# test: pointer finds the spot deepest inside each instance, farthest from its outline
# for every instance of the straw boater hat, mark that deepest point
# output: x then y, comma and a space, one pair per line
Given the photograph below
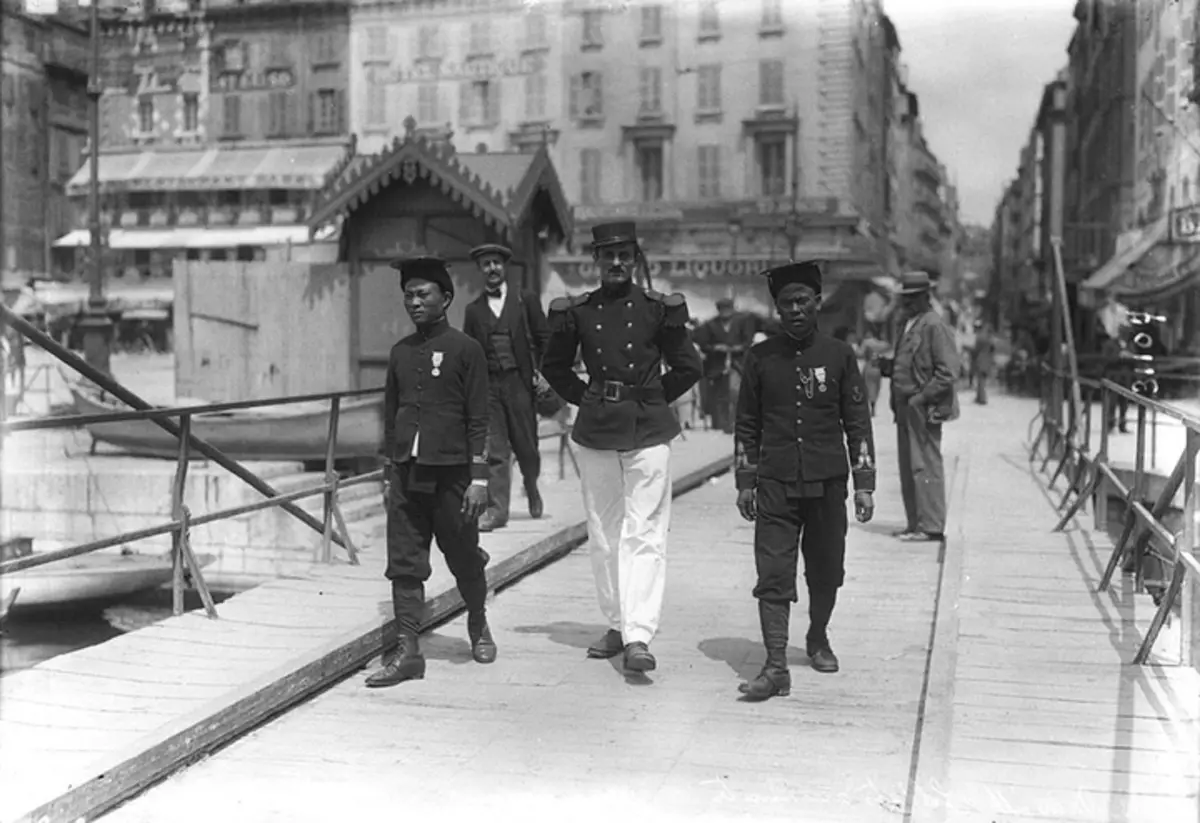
491, 248
915, 282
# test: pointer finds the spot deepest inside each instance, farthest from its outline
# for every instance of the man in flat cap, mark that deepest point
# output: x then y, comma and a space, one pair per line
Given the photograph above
624, 429
723, 342
801, 409
924, 375
435, 418
511, 327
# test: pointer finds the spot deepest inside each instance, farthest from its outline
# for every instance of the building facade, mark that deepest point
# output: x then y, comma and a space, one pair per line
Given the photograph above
219, 122
44, 122
736, 133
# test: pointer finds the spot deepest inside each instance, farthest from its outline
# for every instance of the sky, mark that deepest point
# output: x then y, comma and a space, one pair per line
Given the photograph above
978, 68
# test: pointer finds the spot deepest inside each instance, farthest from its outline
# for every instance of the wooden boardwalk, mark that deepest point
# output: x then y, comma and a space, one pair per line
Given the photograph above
87, 725
1023, 709
558, 736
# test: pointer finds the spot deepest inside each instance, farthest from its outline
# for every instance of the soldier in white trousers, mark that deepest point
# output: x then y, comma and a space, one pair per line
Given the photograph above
624, 429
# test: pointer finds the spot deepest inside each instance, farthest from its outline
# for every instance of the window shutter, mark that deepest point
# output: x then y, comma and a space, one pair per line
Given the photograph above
464, 101
312, 112
266, 114
341, 111
494, 88
599, 86
573, 102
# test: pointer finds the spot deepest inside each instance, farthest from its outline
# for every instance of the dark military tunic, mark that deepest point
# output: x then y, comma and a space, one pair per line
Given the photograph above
436, 404
625, 340
802, 407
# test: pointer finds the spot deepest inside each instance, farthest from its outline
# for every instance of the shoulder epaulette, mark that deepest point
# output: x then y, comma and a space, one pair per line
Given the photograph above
673, 300
565, 303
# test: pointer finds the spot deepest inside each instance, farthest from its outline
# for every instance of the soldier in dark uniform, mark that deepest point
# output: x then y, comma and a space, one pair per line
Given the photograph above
723, 341
435, 417
802, 405
510, 326
624, 430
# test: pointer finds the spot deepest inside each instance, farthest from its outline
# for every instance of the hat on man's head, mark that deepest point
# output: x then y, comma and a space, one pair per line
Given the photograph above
610, 234
426, 267
807, 273
915, 282
491, 248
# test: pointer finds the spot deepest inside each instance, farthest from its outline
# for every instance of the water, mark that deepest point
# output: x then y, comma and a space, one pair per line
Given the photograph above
28, 641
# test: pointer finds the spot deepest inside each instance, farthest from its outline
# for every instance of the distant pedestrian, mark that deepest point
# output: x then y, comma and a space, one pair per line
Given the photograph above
983, 361
924, 375
802, 407
435, 417
723, 344
511, 327
624, 431
872, 349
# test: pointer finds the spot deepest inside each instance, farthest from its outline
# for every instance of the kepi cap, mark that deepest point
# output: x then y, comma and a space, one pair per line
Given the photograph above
425, 267
806, 273
610, 234
491, 248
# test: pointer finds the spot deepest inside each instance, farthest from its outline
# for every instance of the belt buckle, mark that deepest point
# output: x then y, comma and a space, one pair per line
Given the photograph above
612, 390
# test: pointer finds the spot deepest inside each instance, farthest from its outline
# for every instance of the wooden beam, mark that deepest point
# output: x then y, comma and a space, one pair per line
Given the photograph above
160, 753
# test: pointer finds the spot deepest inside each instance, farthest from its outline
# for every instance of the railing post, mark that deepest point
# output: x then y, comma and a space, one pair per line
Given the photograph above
1136, 495
178, 490
1186, 544
1100, 506
335, 409
1153, 438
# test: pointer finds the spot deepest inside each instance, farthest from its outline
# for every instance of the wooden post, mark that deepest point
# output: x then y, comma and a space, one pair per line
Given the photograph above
1100, 507
1187, 545
1135, 496
178, 537
335, 408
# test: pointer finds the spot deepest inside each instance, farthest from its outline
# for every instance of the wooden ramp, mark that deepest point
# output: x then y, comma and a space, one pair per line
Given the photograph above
86, 729
545, 734
1034, 712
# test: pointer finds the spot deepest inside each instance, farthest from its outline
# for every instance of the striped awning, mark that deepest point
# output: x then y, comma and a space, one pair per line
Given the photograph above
226, 237
246, 168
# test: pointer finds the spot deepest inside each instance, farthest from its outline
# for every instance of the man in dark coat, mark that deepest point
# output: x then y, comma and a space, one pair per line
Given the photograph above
435, 416
624, 431
510, 326
723, 342
924, 396
802, 405
983, 361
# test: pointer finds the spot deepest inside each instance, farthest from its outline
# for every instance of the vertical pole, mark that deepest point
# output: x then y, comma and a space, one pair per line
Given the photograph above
1100, 506
1153, 438
335, 408
96, 325
177, 494
1187, 545
1135, 496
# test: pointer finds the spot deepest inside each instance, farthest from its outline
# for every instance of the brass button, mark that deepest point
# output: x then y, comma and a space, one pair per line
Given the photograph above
598, 327
629, 345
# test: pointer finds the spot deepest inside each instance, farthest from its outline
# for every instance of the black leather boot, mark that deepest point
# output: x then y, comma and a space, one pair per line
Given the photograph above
774, 679
816, 642
536, 507
407, 662
483, 648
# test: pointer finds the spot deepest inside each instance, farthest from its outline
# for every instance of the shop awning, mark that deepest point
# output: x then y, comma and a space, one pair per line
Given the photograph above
298, 166
192, 238
1120, 262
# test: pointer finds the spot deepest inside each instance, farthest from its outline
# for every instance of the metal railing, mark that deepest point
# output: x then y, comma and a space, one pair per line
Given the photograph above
1091, 475
185, 563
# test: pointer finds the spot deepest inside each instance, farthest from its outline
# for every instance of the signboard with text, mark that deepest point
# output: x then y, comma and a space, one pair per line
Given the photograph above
432, 71
576, 270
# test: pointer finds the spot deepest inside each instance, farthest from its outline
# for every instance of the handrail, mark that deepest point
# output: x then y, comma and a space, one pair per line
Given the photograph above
22, 424
1140, 524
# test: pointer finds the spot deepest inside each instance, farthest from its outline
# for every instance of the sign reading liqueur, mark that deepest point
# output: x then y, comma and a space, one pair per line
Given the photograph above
428, 71
1185, 225
584, 270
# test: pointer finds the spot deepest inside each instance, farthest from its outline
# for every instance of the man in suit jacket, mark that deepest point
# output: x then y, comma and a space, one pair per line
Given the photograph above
924, 397
510, 325
723, 341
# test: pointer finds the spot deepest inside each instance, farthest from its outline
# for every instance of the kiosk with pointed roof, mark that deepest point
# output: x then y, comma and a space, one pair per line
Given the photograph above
421, 197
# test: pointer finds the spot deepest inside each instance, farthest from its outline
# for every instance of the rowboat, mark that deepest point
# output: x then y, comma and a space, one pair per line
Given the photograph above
90, 581
295, 432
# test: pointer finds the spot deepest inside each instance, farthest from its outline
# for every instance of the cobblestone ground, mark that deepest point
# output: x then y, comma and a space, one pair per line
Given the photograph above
545, 734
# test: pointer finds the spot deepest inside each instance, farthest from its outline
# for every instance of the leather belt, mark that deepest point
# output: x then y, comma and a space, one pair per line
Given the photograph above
614, 391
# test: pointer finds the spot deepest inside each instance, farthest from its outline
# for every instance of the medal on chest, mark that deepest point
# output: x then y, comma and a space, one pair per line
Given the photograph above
819, 373
437, 363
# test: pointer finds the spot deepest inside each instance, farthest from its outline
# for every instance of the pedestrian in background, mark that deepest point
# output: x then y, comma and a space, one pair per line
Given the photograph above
983, 361
924, 374
435, 419
624, 430
511, 327
802, 408
722, 344
873, 347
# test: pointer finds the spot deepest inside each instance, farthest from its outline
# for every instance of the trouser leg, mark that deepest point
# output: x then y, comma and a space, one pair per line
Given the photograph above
499, 453
604, 502
523, 429
928, 476
908, 491
458, 539
642, 558
824, 548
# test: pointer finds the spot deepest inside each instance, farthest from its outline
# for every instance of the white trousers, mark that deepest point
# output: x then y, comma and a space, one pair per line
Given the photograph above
627, 495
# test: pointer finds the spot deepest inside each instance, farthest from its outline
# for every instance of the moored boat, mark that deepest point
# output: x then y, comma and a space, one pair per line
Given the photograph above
90, 581
293, 432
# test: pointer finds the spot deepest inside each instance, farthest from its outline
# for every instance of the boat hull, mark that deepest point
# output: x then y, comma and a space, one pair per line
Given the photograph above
86, 582
283, 434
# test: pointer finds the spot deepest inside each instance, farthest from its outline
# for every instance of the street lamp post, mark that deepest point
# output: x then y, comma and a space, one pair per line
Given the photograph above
96, 325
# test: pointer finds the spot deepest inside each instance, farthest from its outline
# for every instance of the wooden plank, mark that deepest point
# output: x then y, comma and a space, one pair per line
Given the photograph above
124, 773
